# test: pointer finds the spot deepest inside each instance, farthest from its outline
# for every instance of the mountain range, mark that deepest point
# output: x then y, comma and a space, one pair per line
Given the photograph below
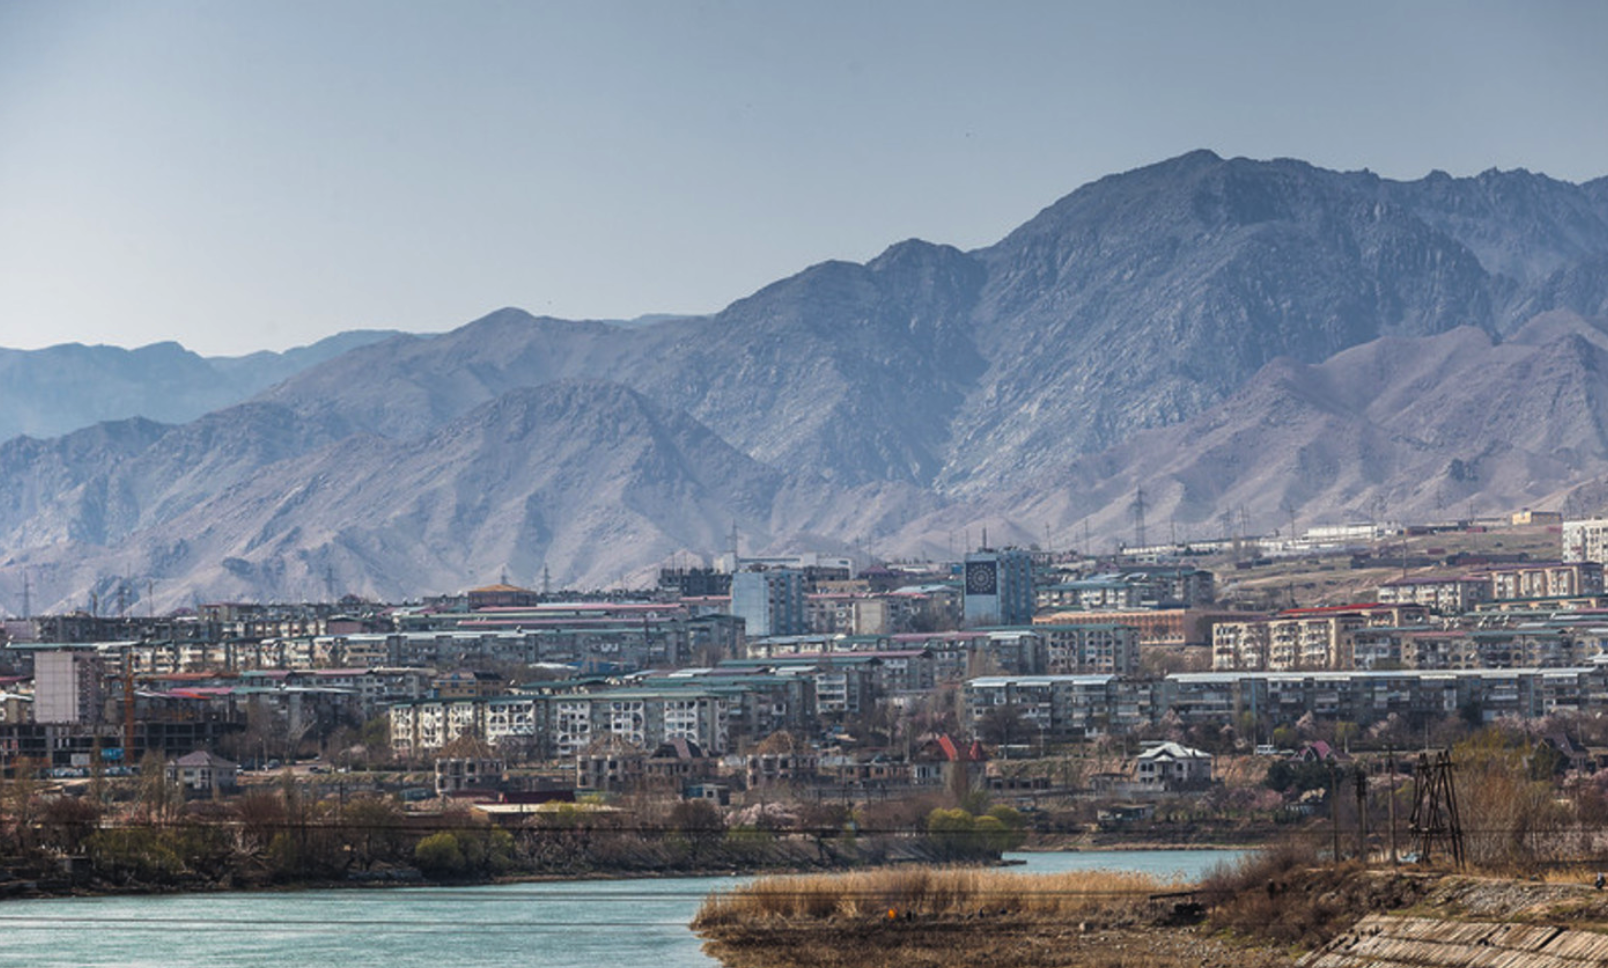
1251, 342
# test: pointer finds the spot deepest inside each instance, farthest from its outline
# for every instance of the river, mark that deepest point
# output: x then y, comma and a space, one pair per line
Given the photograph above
560, 924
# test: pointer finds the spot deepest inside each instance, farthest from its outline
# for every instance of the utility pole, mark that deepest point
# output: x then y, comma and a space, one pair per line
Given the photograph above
1390, 761
27, 596
1334, 812
128, 706
1362, 813
1138, 508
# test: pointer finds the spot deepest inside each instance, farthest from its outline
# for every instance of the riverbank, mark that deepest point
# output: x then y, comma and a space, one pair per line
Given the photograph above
1266, 915
947, 918
529, 856
997, 943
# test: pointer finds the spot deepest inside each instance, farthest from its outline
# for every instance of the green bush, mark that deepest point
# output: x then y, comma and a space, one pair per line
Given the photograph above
440, 854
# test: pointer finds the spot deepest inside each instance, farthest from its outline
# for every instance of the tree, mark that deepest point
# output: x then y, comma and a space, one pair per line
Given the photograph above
372, 829
261, 814
69, 820
159, 796
376, 737
22, 798
958, 833
1297, 777
779, 743
1510, 815
1003, 725
1006, 828
700, 822
439, 854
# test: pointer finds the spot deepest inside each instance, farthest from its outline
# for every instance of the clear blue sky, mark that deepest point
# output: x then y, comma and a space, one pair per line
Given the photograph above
240, 175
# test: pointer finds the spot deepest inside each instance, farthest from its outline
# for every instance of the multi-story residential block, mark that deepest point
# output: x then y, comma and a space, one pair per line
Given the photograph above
962, 655
1586, 539
1540, 580
424, 726
861, 613
1418, 697
1058, 708
1101, 648
1095, 593
758, 702
517, 724
1163, 627
1441, 594
1147, 586
566, 724
1303, 638
694, 582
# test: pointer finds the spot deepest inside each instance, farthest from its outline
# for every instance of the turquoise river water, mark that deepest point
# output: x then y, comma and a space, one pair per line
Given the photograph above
559, 924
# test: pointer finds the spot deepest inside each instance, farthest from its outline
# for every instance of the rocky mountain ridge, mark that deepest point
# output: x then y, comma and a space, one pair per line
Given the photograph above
60, 389
1264, 337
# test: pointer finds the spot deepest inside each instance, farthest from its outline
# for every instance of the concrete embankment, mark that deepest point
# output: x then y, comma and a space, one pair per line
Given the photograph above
1383, 941
1480, 922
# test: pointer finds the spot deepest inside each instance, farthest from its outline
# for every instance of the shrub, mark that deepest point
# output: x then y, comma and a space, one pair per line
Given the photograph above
937, 892
440, 854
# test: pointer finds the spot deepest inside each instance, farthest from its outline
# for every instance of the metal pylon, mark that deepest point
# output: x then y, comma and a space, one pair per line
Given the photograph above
1435, 825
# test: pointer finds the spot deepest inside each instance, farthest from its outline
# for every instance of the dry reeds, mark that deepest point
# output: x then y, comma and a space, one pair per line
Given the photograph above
926, 892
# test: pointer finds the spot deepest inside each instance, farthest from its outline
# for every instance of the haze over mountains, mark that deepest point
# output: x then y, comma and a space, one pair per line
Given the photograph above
61, 388
1260, 340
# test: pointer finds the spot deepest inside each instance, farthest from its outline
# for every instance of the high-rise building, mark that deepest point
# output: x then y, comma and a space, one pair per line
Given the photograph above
998, 588
67, 685
770, 602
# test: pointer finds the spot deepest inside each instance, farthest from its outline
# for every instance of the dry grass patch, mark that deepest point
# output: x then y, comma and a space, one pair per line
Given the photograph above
925, 892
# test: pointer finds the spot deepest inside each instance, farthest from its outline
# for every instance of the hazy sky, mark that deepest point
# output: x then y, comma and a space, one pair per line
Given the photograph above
239, 175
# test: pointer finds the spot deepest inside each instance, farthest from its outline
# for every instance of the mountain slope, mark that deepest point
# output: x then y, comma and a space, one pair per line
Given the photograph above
1144, 298
1243, 339
63, 388
587, 479
1402, 428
